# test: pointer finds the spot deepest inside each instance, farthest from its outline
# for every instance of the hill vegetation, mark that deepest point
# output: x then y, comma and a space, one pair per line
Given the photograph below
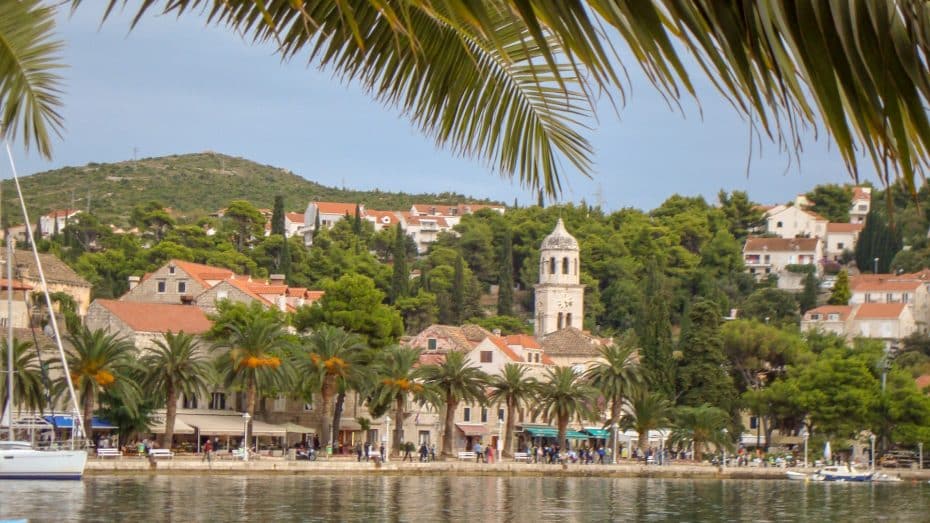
193, 185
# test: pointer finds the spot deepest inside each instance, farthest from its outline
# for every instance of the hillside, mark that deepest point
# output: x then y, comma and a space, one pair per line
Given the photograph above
191, 184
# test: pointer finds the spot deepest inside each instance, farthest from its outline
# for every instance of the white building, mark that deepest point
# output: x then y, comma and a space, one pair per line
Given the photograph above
559, 293
792, 221
841, 237
56, 220
861, 203
765, 256
888, 322
329, 213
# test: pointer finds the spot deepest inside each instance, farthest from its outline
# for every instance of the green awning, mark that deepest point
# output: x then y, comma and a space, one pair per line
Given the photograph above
597, 433
541, 432
574, 434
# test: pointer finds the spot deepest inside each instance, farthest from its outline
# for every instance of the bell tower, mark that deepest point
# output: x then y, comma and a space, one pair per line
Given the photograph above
559, 293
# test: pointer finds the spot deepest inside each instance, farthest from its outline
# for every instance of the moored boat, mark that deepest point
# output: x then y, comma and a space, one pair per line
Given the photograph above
843, 473
797, 476
19, 460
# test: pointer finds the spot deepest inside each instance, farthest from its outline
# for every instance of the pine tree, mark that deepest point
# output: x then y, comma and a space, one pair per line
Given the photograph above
401, 277
458, 290
703, 376
841, 293
655, 332
277, 216
807, 300
505, 277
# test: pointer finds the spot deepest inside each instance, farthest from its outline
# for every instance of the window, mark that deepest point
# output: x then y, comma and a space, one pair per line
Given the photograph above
889, 298
778, 225
431, 344
753, 422
182, 287
190, 402
833, 316
576, 266
218, 401
487, 356
537, 357
767, 258
868, 298
484, 415
863, 207
568, 319
815, 317
560, 321
280, 403
162, 285
840, 245
171, 269
552, 265
905, 298
565, 265
500, 414
466, 414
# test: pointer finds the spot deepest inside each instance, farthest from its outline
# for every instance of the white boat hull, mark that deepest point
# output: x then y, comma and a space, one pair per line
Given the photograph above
42, 464
797, 476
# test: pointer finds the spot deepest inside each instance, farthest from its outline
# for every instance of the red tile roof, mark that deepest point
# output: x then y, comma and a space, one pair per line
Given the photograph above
842, 310
382, 217
781, 244
844, 227
862, 193
523, 340
876, 311
923, 381
296, 217
158, 317
337, 208
860, 284
502, 345
201, 272
17, 285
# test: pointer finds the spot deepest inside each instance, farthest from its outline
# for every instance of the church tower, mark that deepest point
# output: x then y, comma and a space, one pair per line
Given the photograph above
559, 295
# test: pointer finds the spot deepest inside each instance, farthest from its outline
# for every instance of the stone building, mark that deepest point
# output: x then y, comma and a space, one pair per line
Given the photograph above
559, 293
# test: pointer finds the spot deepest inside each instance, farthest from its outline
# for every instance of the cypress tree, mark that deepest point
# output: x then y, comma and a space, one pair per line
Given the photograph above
505, 277
357, 224
807, 300
702, 376
654, 329
285, 265
401, 277
841, 293
458, 290
277, 216
877, 240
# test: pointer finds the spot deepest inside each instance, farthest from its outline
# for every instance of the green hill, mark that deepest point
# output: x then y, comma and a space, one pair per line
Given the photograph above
191, 184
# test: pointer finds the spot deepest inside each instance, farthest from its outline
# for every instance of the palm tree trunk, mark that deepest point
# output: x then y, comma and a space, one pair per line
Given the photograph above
615, 406
698, 450
643, 440
88, 408
398, 423
563, 431
326, 399
508, 439
451, 406
250, 408
337, 416
171, 410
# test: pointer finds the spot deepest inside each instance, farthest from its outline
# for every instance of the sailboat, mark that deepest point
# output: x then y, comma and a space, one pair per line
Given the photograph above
20, 459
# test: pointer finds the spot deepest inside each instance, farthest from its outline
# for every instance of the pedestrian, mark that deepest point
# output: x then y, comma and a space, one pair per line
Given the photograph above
432, 452
207, 452
489, 453
358, 452
367, 451
600, 454
478, 452
381, 450
424, 452
408, 449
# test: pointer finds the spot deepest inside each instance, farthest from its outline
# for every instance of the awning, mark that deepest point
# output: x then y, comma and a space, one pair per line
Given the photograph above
348, 424
65, 422
574, 434
472, 430
157, 425
597, 433
541, 432
293, 428
229, 425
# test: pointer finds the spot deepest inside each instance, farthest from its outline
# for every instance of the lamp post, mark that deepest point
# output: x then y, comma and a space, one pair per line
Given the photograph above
805, 449
500, 437
614, 450
872, 452
386, 439
920, 455
725, 432
245, 436
875, 266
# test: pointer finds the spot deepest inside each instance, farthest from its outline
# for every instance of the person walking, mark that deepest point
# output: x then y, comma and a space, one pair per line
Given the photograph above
358, 452
478, 452
408, 449
424, 452
489, 454
207, 452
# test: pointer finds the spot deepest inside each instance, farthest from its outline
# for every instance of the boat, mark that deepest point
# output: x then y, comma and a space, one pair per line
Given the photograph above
797, 476
843, 473
883, 477
21, 459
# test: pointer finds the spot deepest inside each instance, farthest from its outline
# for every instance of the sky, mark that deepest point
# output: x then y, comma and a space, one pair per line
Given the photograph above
174, 86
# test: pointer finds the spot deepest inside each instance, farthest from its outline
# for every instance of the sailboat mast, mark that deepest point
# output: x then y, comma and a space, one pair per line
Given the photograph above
9, 332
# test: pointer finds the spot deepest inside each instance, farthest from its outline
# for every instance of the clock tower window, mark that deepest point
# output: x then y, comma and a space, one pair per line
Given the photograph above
568, 319
565, 265
552, 269
559, 324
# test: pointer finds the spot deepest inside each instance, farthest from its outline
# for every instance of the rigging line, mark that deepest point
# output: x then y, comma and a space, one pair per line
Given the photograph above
48, 300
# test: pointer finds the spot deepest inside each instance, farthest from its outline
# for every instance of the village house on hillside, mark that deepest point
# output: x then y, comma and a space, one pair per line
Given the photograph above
146, 323
58, 275
56, 221
767, 256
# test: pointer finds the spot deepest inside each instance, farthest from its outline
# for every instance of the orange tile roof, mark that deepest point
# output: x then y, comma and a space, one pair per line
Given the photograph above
296, 217
314, 295
781, 244
859, 284
842, 310
923, 381
523, 340
845, 227
296, 292
875, 311
337, 208
62, 212
862, 193
158, 317
201, 272
267, 288
382, 217
17, 285
502, 345
246, 286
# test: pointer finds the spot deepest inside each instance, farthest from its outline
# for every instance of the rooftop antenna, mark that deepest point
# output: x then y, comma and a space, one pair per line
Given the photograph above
599, 196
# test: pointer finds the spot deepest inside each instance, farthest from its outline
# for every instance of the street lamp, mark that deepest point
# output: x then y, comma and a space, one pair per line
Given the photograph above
725, 432
872, 452
386, 439
500, 437
245, 436
805, 449
613, 451
875, 266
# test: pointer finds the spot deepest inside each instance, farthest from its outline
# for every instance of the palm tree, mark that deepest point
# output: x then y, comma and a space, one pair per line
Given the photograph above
175, 366
29, 388
563, 396
100, 361
396, 370
513, 388
616, 377
330, 357
252, 342
517, 99
699, 425
648, 411
453, 381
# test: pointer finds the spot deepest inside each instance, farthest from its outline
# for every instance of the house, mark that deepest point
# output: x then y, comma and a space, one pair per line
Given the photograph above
783, 258
834, 319
382, 219
792, 221
56, 221
889, 322
571, 347
452, 213
18, 233
176, 282
841, 237
293, 224
910, 289
424, 229
58, 276
20, 313
145, 323
861, 204
328, 213
439, 339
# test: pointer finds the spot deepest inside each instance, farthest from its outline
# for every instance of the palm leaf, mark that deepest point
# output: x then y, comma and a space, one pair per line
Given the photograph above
29, 84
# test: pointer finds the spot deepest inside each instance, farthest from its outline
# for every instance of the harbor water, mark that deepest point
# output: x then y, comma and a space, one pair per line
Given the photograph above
420, 499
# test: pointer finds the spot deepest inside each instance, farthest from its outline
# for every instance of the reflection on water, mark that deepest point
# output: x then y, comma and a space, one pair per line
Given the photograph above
442, 498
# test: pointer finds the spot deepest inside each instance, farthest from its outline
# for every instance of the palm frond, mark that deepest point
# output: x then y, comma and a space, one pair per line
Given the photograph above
29, 84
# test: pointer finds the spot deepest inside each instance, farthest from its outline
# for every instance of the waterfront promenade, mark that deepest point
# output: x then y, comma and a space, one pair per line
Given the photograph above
336, 466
